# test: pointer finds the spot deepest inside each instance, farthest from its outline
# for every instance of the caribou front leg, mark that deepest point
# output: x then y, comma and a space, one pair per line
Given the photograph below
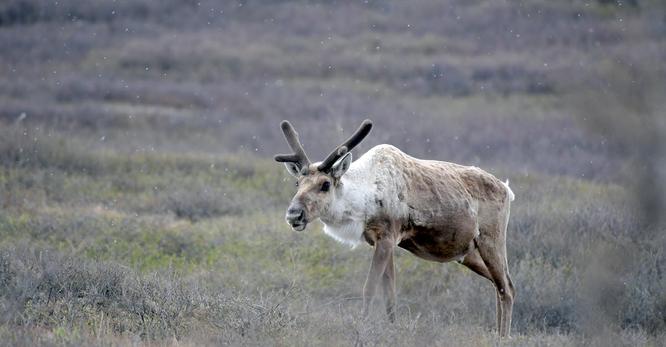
388, 282
383, 254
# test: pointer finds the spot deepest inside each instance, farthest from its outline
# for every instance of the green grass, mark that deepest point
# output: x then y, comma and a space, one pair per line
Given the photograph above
204, 234
87, 216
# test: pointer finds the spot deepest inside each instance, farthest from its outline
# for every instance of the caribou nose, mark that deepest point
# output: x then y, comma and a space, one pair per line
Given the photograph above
295, 214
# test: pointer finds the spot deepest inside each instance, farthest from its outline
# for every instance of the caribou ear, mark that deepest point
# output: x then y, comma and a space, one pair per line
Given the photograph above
341, 165
293, 168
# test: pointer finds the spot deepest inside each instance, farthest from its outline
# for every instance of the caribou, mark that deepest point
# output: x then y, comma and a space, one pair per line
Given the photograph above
438, 211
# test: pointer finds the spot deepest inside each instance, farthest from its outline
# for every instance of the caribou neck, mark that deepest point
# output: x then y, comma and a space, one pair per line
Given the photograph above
353, 198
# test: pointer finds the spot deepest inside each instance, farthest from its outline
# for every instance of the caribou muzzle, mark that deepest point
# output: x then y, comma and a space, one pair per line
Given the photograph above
296, 217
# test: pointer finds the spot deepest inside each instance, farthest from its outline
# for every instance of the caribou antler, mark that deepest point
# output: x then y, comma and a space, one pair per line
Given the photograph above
347, 146
299, 155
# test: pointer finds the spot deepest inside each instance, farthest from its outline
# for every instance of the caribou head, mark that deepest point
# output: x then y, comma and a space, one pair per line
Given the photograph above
317, 182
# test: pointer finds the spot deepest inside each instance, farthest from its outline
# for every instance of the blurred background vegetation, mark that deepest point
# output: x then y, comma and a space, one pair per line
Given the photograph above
139, 203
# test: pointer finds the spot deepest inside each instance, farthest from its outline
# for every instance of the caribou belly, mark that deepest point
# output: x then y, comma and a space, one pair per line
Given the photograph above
441, 244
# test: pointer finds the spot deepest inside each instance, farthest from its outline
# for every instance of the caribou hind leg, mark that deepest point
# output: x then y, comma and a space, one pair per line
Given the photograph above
493, 253
474, 262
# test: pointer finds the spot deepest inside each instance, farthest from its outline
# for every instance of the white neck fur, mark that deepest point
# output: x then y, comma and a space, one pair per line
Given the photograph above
353, 204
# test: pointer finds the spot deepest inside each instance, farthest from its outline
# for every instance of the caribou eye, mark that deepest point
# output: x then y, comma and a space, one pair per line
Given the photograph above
325, 186
296, 183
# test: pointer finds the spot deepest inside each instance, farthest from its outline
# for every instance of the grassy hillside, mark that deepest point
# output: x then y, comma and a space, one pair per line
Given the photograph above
139, 203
